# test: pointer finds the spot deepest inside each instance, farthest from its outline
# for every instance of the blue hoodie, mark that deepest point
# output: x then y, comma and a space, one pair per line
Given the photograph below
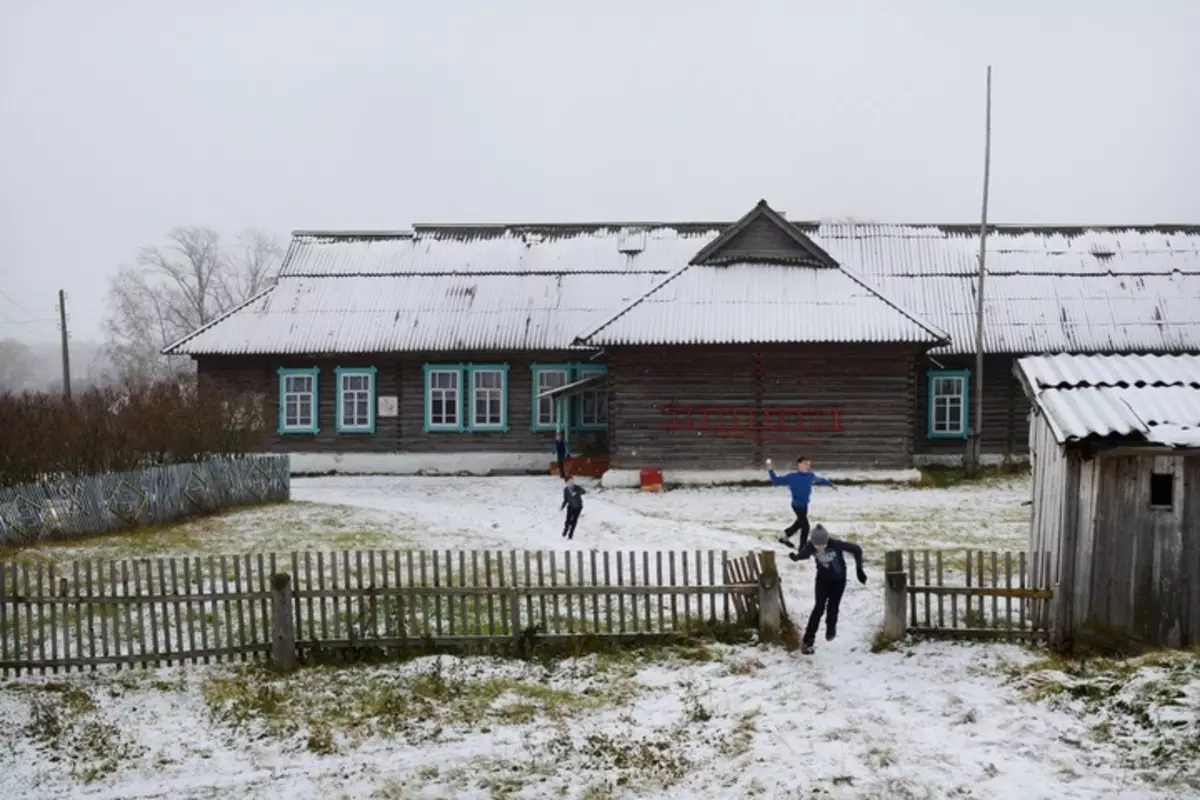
800, 483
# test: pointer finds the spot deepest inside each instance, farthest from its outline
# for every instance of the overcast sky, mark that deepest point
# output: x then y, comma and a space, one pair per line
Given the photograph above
119, 120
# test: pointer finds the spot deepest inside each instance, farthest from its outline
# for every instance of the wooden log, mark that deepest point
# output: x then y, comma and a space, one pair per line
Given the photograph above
283, 632
895, 619
769, 599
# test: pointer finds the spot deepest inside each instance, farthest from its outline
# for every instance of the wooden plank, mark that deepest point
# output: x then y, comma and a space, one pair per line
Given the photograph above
941, 616
694, 591
91, 626
321, 605
995, 585
526, 580
141, 617
252, 611
712, 580
967, 608
41, 614
556, 624
423, 569
979, 572
190, 609
541, 575
58, 591
928, 598
4, 595
620, 597
475, 598
725, 578
437, 599
1008, 585
674, 602
113, 582
487, 577
978, 633
648, 624
180, 622
977, 591
515, 609
684, 571
462, 581
134, 658
912, 580
1021, 584
502, 584
581, 580
595, 598
348, 615
658, 572
165, 610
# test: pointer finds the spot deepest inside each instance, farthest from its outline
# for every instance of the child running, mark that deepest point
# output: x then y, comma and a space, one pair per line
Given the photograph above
573, 503
800, 482
831, 581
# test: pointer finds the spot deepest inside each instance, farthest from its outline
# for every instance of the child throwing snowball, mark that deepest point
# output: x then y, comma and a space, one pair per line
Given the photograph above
800, 482
831, 581
573, 503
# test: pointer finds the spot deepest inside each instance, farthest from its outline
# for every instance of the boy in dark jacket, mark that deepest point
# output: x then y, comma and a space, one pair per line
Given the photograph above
800, 482
831, 580
573, 503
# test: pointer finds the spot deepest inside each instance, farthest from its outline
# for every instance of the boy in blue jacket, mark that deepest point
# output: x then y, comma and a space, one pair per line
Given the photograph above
831, 581
800, 482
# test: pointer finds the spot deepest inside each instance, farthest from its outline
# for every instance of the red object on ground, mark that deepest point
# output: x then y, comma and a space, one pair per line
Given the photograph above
651, 479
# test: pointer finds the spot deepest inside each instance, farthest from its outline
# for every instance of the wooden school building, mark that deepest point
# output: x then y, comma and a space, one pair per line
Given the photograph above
698, 346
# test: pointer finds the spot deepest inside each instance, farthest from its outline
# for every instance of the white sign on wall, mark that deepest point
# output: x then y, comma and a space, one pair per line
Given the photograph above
389, 406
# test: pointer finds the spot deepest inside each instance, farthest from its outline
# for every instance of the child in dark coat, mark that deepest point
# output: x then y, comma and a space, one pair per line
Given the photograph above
831, 580
560, 454
573, 503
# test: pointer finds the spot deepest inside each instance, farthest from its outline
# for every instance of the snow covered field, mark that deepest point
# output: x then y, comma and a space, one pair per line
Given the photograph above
926, 720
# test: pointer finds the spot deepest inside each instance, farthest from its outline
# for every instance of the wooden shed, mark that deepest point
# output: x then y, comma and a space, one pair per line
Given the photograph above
1115, 447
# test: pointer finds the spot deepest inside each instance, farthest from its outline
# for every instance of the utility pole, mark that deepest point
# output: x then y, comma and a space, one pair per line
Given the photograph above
975, 442
66, 352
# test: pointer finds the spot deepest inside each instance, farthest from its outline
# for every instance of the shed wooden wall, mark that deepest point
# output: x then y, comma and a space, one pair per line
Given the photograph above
873, 384
1135, 575
1005, 408
400, 375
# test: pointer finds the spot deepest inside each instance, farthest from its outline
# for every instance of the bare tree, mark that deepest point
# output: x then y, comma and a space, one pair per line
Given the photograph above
171, 291
18, 367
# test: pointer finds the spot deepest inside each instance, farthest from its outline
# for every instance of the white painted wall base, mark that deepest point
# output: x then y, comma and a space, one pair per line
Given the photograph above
952, 460
418, 463
631, 478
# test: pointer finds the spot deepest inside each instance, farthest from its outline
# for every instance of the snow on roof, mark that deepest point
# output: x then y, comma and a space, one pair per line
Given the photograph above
752, 303
371, 314
1150, 398
1049, 289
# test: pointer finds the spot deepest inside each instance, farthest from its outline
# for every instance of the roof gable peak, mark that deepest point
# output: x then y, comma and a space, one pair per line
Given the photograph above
763, 235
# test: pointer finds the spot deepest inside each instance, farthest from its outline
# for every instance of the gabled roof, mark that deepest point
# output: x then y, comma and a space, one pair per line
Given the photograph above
760, 303
1049, 289
1144, 399
790, 245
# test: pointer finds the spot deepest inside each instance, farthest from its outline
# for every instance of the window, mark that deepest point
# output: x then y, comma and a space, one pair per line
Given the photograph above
1162, 490
443, 398
298, 400
489, 397
547, 376
356, 400
593, 404
948, 409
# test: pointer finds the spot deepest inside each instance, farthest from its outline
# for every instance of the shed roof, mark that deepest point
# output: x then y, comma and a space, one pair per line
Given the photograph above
1151, 399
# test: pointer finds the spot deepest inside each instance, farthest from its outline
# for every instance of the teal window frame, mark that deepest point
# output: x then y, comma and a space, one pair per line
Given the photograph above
427, 397
469, 396
536, 371
931, 378
582, 371
288, 372
342, 372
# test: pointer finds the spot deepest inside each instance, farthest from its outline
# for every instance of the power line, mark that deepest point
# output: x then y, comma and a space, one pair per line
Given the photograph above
10, 299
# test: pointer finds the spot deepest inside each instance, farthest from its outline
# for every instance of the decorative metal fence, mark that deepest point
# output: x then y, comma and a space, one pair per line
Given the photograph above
153, 611
92, 504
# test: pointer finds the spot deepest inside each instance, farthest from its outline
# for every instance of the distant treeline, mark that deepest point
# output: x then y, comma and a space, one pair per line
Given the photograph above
44, 436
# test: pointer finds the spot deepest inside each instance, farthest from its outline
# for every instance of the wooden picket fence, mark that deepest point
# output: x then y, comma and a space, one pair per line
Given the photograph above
973, 594
150, 612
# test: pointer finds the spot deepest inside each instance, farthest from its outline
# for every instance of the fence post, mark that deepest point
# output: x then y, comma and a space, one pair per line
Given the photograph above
895, 613
283, 631
768, 598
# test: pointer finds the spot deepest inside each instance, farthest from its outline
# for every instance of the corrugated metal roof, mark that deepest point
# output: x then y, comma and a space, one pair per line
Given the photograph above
1074, 372
751, 303
1048, 290
501, 251
418, 313
1146, 397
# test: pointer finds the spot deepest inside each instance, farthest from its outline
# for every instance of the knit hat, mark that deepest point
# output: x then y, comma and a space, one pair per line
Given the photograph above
819, 536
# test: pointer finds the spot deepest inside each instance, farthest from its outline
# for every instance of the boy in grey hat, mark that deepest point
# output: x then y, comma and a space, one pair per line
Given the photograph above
831, 580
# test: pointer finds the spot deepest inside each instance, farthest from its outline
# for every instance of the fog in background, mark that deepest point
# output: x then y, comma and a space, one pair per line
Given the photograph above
121, 120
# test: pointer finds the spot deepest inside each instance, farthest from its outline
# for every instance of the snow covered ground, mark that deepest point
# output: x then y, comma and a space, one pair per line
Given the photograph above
925, 720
